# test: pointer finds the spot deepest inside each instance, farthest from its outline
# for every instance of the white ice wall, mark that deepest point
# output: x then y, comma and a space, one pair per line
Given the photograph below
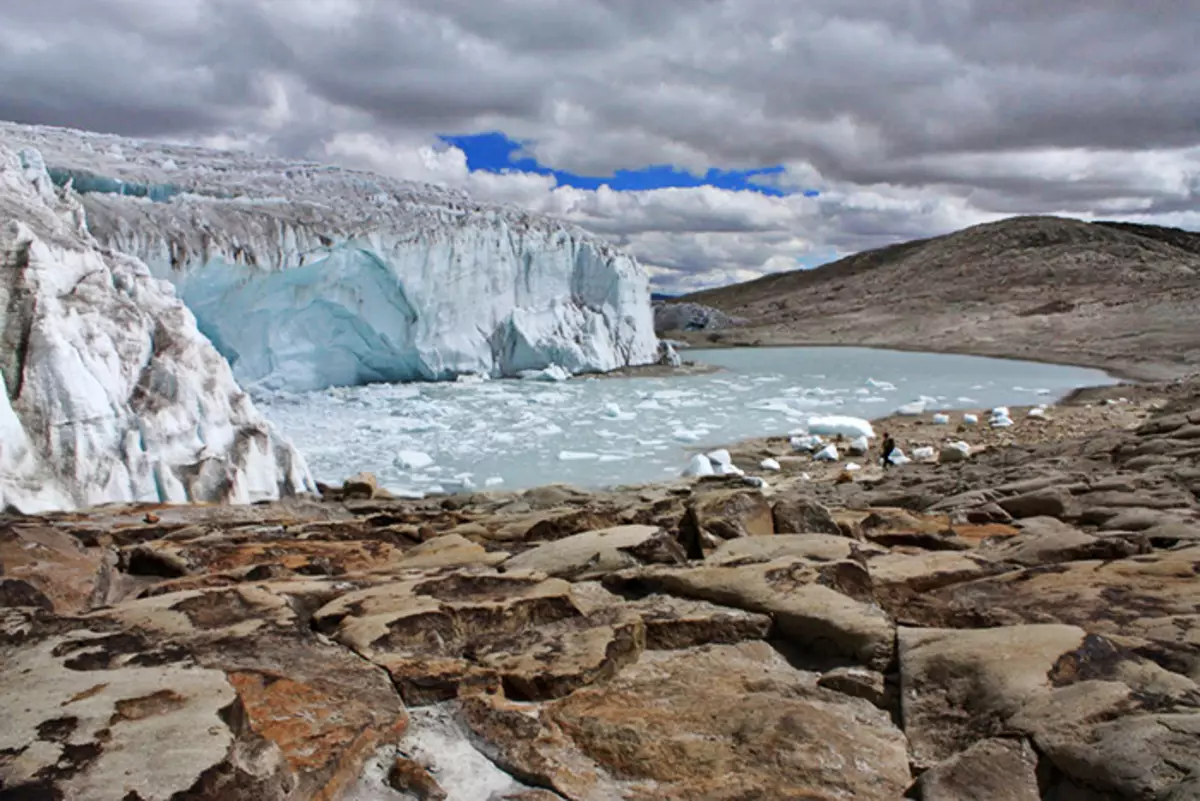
307, 276
110, 391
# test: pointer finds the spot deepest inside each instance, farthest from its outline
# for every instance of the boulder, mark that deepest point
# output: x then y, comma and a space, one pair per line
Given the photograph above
869, 685
1049, 502
803, 516
360, 485
720, 515
595, 553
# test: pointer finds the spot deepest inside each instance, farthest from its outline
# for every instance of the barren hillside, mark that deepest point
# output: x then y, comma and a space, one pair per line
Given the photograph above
1115, 295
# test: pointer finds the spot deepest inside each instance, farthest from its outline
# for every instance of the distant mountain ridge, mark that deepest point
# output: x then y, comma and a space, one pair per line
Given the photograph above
1123, 296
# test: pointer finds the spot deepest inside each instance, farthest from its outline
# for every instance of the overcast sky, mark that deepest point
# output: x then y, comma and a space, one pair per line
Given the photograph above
890, 119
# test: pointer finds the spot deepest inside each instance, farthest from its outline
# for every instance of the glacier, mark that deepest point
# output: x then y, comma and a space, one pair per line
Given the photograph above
307, 276
111, 393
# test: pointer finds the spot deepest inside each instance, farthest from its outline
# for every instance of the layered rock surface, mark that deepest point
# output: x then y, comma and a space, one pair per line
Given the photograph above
675, 642
110, 391
306, 276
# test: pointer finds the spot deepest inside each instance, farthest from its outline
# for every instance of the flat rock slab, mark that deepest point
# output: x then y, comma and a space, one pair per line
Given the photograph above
1133, 597
760, 729
811, 547
265, 710
826, 609
439, 636
595, 553
958, 687
990, 770
674, 623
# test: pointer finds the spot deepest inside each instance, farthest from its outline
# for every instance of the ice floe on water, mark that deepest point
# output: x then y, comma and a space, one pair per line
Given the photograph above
595, 432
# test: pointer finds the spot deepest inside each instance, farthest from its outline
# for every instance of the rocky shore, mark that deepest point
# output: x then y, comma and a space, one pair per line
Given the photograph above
1020, 624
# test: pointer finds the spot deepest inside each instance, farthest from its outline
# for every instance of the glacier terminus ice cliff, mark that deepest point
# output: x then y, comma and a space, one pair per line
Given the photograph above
306, 276
111, 393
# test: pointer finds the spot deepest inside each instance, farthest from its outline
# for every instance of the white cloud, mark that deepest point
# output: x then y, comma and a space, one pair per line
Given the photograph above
911, 119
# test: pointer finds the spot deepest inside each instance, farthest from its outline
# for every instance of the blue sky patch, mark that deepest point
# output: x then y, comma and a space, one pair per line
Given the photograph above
495, 152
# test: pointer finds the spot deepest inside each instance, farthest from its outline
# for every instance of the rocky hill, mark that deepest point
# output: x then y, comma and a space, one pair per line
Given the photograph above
1114, 295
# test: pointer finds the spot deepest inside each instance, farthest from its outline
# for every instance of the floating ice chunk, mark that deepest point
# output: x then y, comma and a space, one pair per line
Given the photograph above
463, 482
493, 481
971, 419
472, 378
924, 454
649, 405
688, 435
770, 464
859, 446
967, 401
882, 386
913, 409
613, 412
833, 426
698, 467
720, 457
827, 454
941, 419
577, 456
412, 460
551, 373
806, 444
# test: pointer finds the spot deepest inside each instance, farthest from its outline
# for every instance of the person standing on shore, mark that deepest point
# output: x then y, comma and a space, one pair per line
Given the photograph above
889, 445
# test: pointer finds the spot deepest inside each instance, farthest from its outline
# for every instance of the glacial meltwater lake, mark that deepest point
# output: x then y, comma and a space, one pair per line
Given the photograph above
596, 432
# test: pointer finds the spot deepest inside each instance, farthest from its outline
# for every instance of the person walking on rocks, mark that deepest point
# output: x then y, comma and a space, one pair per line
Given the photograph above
889, 445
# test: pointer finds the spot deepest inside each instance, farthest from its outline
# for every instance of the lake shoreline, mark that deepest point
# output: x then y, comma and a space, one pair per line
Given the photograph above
1144, 373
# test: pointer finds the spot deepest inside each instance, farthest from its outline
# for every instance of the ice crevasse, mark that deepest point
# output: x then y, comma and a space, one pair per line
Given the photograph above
110, 392
307, 276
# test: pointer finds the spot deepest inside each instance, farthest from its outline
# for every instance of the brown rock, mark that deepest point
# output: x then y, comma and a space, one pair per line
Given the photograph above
360, 485
595, 553
869, 685
960, 687
407, 776
1047, 541
1050, 502
728, 514
760, 729
803, 516
990, 770
42, 566
825, 609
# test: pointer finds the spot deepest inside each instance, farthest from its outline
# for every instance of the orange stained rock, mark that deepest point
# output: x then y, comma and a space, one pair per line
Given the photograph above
320, 735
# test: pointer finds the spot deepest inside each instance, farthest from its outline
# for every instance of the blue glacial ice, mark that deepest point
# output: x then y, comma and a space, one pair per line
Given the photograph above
307, 276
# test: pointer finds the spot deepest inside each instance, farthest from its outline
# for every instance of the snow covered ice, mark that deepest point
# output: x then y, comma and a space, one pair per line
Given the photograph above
306, 276
111, 392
